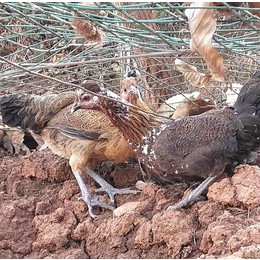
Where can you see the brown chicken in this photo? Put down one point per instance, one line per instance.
(185, 105)
(130, 92)
(198, 147)
(86, 137)
(192, 105)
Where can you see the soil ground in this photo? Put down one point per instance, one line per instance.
(41, 217)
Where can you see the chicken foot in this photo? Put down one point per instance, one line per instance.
(89, 200)
(194, 194)
(109, 189)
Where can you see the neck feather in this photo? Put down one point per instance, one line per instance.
(140, 103)
(133, 123)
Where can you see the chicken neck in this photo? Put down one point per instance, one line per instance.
(132, 122)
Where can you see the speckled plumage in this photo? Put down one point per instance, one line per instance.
(194, 147)
(85, 137)
(44, 113)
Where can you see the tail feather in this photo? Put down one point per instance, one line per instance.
(247, 108)
(32, 111)
(10, 110)
(249, 96)
(256, 75)
(12, 119)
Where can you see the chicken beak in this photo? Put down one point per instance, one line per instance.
(133, 90)
(75, 107)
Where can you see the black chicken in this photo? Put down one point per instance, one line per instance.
(190, 148)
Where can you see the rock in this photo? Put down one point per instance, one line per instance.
(248, 252)
(242, 189)
(249, 236)
(208, 213)
(126, 208)
(149, 190)
(121, 176)
(215, 238)
(8, 211)
(52, 169)
(69, 189)
(53, 230)
(174, 228)
(83, 229)
(140, 185)
(144, 236)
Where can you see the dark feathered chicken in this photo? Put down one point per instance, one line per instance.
(86, 138)
(190, 148)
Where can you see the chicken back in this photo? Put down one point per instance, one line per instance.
(196, 147)
(87, 138)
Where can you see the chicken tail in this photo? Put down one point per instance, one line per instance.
(249, 97)
(32, 111)
(247, 108)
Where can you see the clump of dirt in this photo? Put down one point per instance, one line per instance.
(41, 216)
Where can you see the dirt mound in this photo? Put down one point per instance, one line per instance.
(41, 216)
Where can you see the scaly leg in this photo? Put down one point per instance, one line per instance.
(194, 194)
(106, 187)
(90, 201)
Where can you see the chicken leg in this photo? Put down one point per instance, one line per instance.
(89, 200)
(194, 194)
(109, 189)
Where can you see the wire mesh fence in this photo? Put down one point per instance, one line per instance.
(44, 46)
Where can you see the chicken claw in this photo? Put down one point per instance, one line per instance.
(194, 194)
(109, 189)
(112, 191)
(93, 201)
(87, 198)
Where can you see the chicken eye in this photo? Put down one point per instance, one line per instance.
(124, 89)
(86, 98)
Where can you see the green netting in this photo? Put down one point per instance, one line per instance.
(40, 38)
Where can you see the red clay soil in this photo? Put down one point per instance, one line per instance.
(41, 217)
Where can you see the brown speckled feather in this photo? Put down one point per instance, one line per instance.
(184, 148)
(195, 147)
(47, 114)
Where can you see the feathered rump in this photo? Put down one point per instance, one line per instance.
(247, 108)
(9, 110)
(248, 100)
(33, 112)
